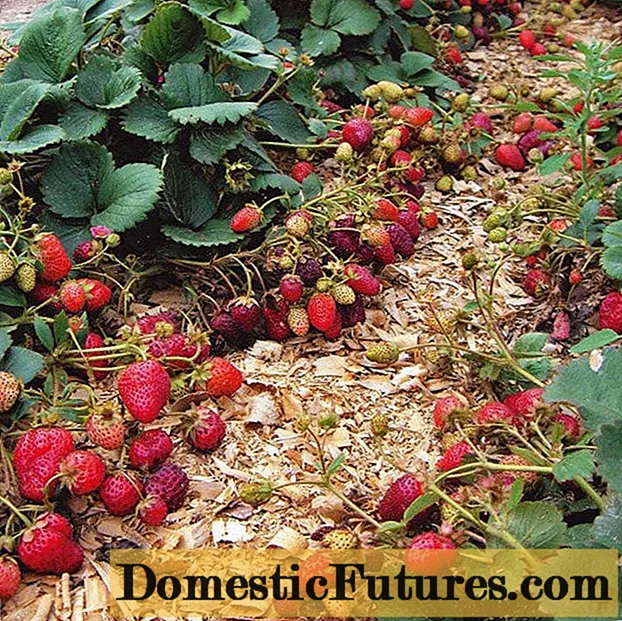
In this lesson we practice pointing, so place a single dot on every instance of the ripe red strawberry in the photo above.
(508, 478)
(95, 341)
(301, 170)
(527, 38)
(414, 174)
(619, 139)
(98, 294)
(144, 388)
(376, 235)
(246, 219)
(400, 495)
(401, 240)
(361, 279)
(509, 156)
(577, 161)
(418, 116)
(594, 123)
(275, 316)
(445, 407)
(10, 577)
(170, 483)
(37, 459)
(571, 425)
(291, 288)
(429, 554)
(72, 296)
(50, 251)
(561, 327)
(150, 449)
(406, 5)
(610, 312)
(121, 493)
(409, 220)
(494, 412)
(536, 282)
(82, 472)
(322, 309)
(246, 312)
(152, 511)
(104, 427)
(48, 547)
(453, 55)
(225, 379)
(207, 431)
(10, 390)
(385, 254)
(385, 210)
(400, 159)
(47, 292)
(542, 124)
(482, 121)
(161, 324)
(84, 251)
(522, 122)
(537, 49)
(176, 350)
(335, 330)
(358, 133)
(525, 403)
(454, 456)
(429, 219)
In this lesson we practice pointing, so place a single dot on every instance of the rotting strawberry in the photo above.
(362, 280)
(82, 472)
(322, 309)
(246, 219)
(225, 378)
(84, 251)
(104, 426)
(507, 478)
(94, 341)
(358, 133)
(170, 483)
(410, 221)
(152, 448)
(344, 243)
(152, 510)
(175, 351)
(385, 209)
(98, 294)
(52, 255)
(10, 577)
(445, 409)
(610, 312)
(482, 121)
(430, 553)
(454, 456)
(275, 317)
(72, 296)
(207, 431)
(309, 270)
(46, 293)
(494, 412)
(160, 324)
(291, 288)
(301, 170)
(298, 320)
(246, 312)
(536, 282)
(509, 156)
(120, 493)
(401, 240)
(48, 547)
(398, 497)
(418, 116)
(525, 403)
(352, 314)
(10, 390)
(144, 388)
(561, 327)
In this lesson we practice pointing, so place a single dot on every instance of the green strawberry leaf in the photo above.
(608, 455)
(147, 118)
(220, 113)
(577, 463)
(597, 340)
(212, 233)
(24, 364)
(79, 122)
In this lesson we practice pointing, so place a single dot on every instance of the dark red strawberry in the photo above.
(358, 133)
(246, 312)
(527, 39)
(430, 553)
(207, 431)
(310, 270)
(170, 483)
(152, 511)
(144, 388)
(150, 449)
(344, 243)
(291, 288)
(51, 253)
(400, 495)
(525, 403)
(610, 312)
(454, 456)
(494, 412)
(301, 170)
(401, 240)
(84, 251)
(385, 254)
(352, 314)
(82, 472)
(95, 341)
(409, 220)
(275, 317)
(121, 493)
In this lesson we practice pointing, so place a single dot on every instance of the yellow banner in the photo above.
(364, 583)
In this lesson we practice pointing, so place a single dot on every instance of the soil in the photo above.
(311, 376)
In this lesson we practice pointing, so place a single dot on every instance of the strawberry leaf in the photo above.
(577, 463)
(608, 455)
(24, 364)
(220, 113)
(212, 233)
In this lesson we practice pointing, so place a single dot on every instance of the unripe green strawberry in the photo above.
(470, 261)
(6, 176)
(452, 153)
(498, 235)
(461, 102)
(383, 353)
(428, 135)
(10, 390)
(469, 173)
(7, 266)
(546, 94)
(498, 183)
(379, 425)
(449, 513)
(499, 92)
(323, 285)
(390, 91)
(344, 152)
(461, 32)
(256, 494)
(344, 294)
(298, 320)
(26, 277)
(373, 92)
(493, 221)
(445, 184)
